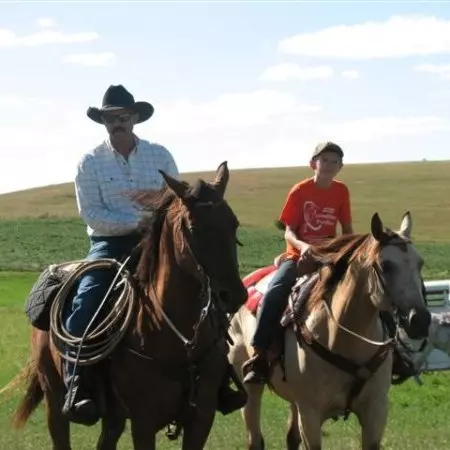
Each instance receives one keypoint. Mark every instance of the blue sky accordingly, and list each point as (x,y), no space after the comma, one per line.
(257,84)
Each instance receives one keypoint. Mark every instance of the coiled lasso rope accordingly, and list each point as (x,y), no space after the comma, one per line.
(94,346)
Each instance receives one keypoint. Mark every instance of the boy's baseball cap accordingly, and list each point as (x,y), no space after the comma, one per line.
(327,147)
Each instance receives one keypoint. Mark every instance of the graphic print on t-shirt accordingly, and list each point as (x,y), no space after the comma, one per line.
(316,217)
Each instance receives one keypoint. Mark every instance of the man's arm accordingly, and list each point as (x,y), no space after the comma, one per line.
(91,208)
(171,166)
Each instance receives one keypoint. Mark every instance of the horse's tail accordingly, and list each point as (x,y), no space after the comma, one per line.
(33,394)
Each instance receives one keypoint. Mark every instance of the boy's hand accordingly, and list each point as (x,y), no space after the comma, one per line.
(305,249)
(306,263)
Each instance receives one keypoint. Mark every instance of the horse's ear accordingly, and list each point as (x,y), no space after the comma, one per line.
(376,227)
(176,186)
(406,225)
(222,177)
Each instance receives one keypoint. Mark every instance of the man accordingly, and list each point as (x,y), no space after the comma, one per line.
(310,214)
(121,163)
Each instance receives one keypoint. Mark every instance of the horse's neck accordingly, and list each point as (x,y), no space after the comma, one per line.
(178,292)
(352,308)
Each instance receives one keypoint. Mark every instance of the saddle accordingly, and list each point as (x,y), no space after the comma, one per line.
(44,291)
(258,281)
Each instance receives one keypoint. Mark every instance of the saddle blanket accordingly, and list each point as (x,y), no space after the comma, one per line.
(258,281)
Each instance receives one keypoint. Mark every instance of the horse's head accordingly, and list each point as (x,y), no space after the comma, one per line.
(399,269)
(207,243)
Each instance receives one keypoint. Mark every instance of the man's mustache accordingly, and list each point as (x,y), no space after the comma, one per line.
(118,129)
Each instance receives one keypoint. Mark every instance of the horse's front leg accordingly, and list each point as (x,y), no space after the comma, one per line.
(373,419)
(143,435)
(251,415)
(311,427)
(112,429)
(197,430)
(293,437)
(199,418)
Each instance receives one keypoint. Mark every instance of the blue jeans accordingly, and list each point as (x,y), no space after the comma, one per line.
(273,304)
(94,284)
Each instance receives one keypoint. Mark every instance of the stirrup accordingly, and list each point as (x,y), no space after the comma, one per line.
(78,410)
(256,370)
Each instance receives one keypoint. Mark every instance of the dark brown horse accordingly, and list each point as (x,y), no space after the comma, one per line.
(187,280)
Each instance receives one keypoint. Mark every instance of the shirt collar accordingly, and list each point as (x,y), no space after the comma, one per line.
(111,148)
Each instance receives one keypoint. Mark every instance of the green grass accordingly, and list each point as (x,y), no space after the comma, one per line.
(39,227)
(418,416)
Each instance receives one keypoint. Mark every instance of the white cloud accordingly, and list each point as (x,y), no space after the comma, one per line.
(91,59)
(442,70)
(26,102)
(378,128)
(350,74)
(47,22)
(10,39)
(230,111)
(284,72)
(264,128)
(399,36)
(442,94)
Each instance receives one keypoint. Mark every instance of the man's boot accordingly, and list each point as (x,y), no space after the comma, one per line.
(230,400)
(256,369)
(78,407)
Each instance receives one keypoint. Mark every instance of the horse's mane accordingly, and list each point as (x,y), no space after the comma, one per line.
(160,204)
(336,254)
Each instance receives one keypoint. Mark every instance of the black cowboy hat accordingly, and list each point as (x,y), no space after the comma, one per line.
(117,97)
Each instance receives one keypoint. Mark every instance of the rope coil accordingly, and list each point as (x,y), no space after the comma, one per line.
(96,344)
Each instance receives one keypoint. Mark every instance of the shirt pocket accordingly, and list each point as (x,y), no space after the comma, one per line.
(112,188)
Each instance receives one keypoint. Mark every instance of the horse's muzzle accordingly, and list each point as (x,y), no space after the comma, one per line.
(418,322)
(234,297)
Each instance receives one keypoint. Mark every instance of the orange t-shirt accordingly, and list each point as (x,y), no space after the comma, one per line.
(313,212)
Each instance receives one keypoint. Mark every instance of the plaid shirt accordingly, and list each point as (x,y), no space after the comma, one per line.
(104,176)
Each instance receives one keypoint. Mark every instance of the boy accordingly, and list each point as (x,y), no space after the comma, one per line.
(310,214)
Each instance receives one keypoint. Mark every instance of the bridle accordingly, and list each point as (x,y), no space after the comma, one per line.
(207,294)
(387,239)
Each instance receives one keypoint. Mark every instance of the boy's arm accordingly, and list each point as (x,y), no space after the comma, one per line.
(291,237)
(347,228)
(291,217)
(345,213)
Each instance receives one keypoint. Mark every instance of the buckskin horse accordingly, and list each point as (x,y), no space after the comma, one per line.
(168,366)
(337,358)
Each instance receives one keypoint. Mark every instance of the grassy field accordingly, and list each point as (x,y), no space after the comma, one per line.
(40,226)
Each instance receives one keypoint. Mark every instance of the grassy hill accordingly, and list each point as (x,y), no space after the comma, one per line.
(257,195)
(39,226)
